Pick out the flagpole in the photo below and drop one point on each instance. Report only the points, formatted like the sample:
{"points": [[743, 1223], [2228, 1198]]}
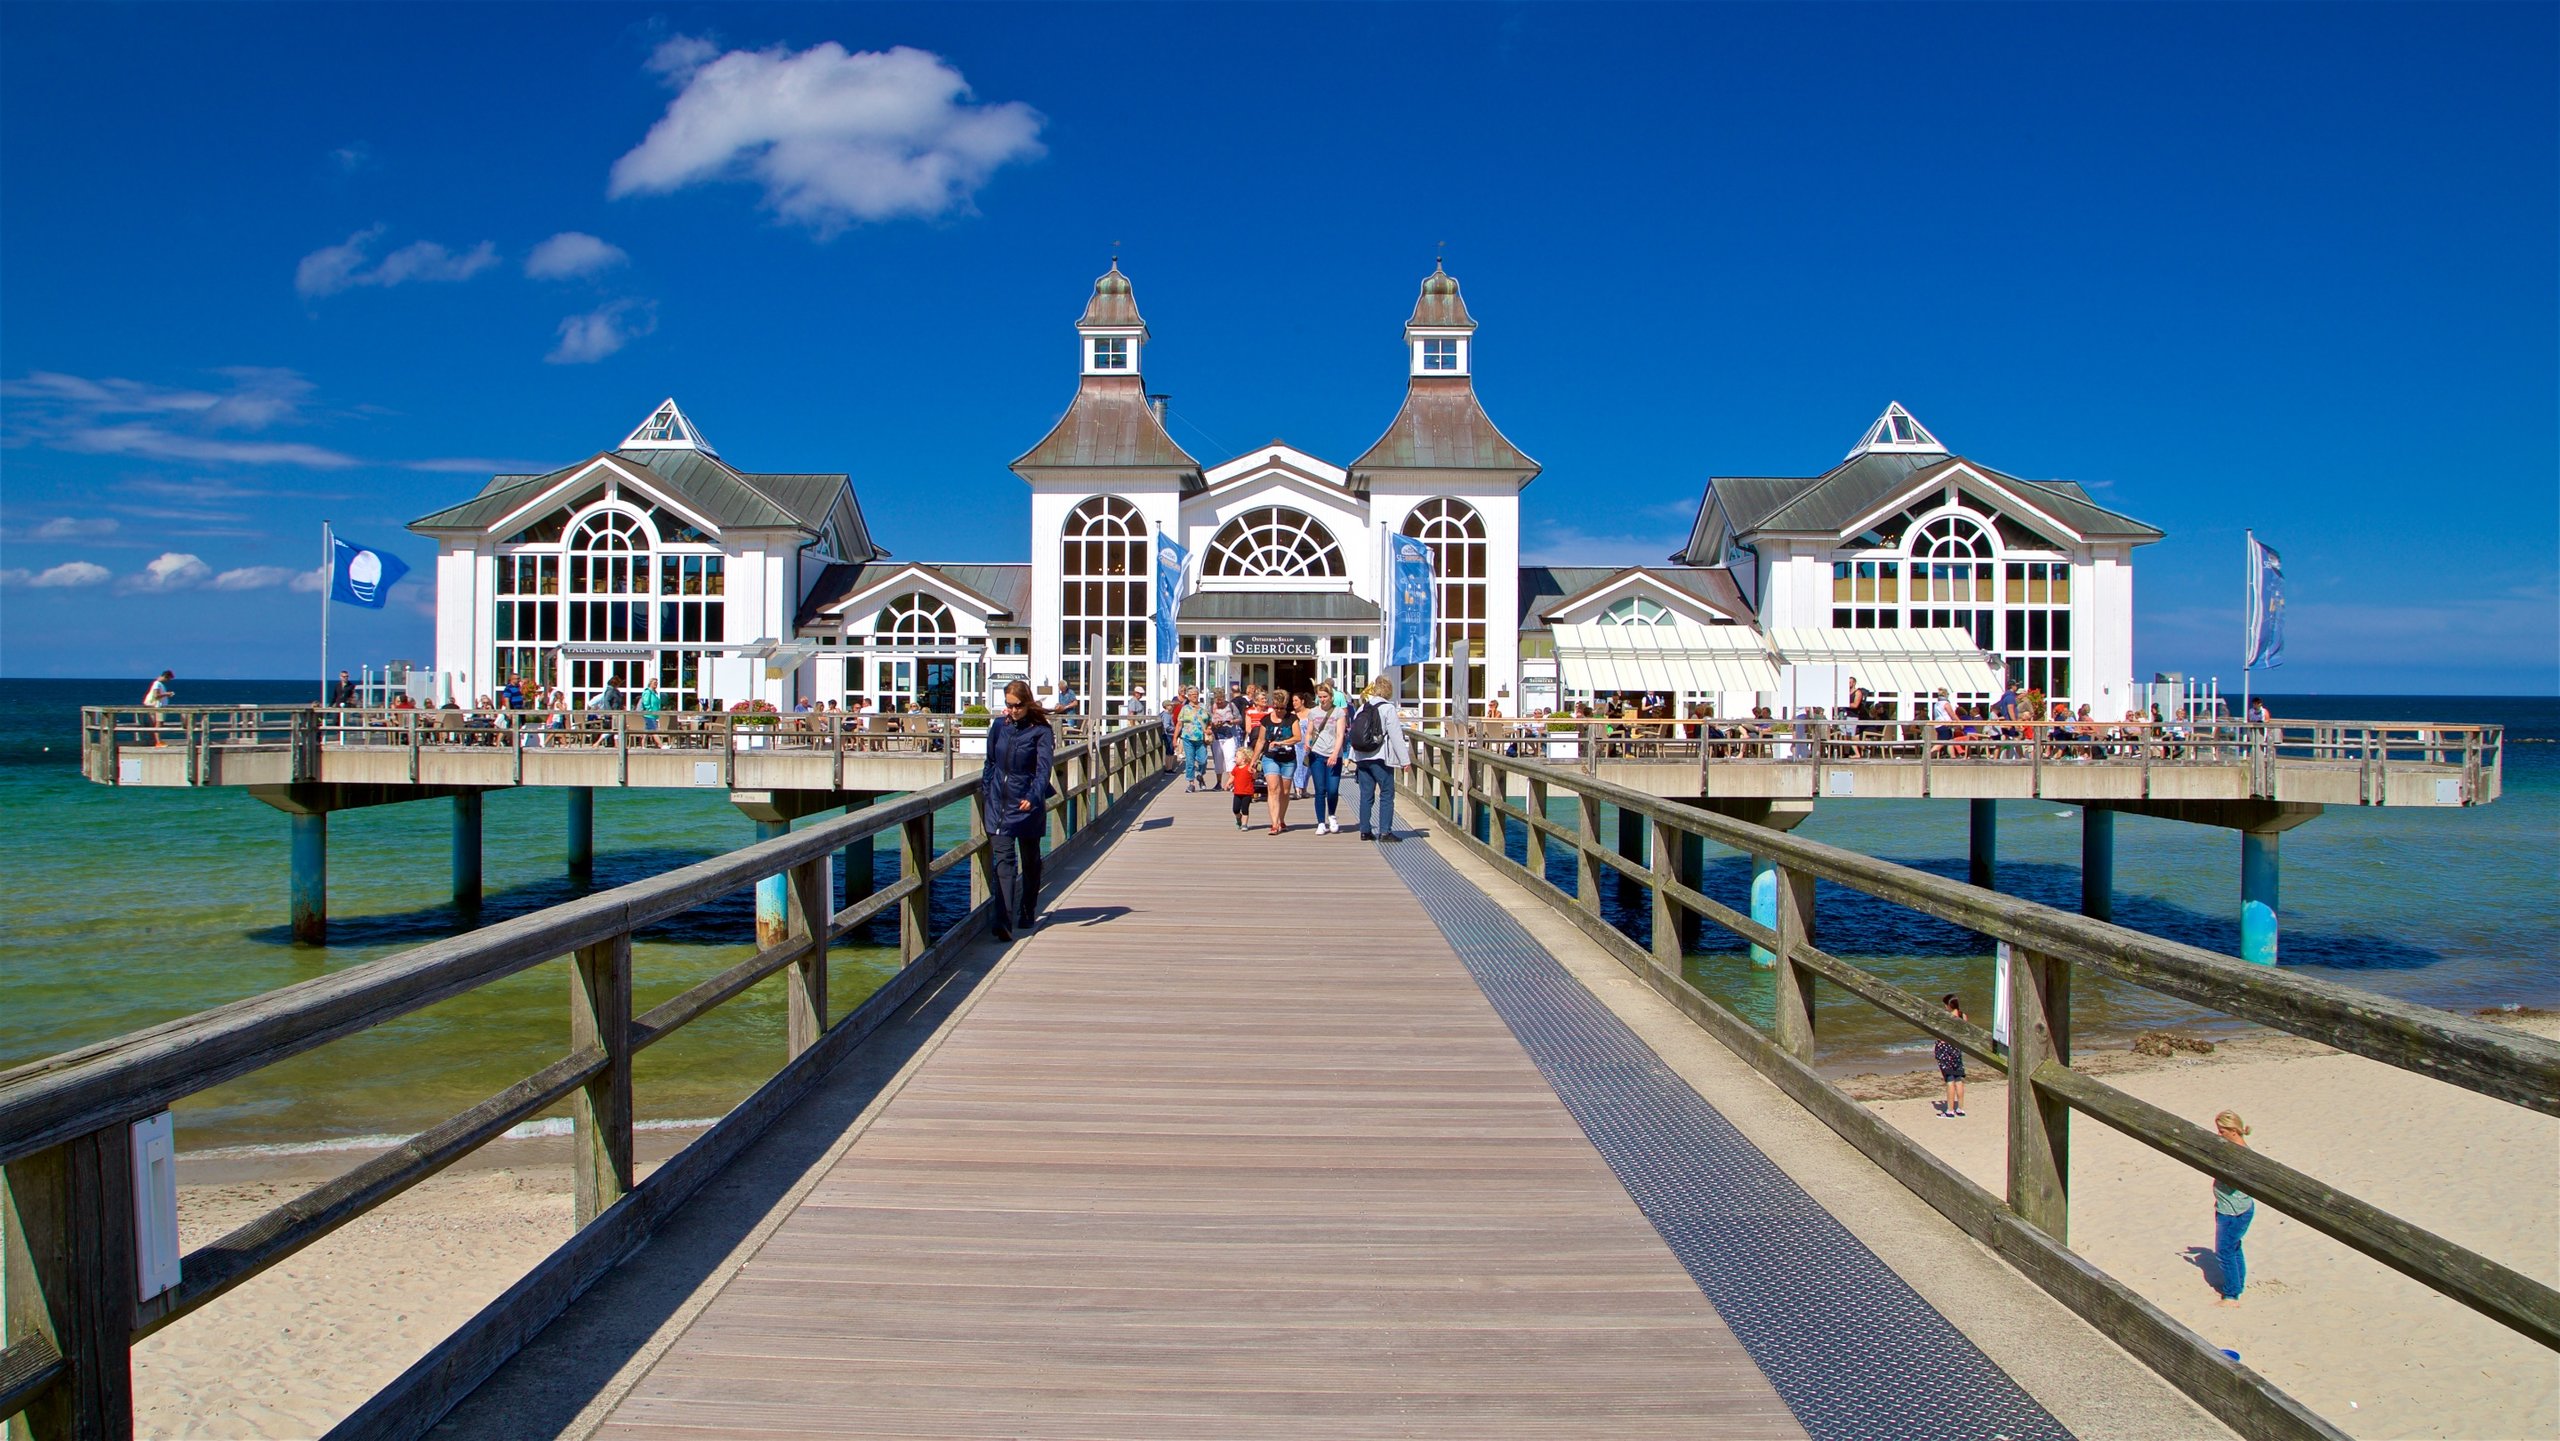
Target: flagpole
{"points": [[328, 578]]}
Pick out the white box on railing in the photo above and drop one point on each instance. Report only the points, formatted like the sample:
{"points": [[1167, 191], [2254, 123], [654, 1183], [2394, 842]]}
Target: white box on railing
{"points": [[155, 1205]]}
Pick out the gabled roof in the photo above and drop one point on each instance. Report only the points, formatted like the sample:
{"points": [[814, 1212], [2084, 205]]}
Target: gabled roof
{"points": [[1442, 426], [1711, 586], [1831, 502], [1110, 424], [1545, 587], [1005, 589], [730, 499]]}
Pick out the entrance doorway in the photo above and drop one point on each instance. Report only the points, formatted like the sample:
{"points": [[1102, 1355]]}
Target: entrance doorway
{"points": [[1292, 675]]}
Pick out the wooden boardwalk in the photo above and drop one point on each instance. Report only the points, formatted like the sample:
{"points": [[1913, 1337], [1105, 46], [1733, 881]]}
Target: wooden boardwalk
{"points": [[1236, 1148]]}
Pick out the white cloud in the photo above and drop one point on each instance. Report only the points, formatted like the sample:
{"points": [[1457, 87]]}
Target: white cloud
{"points": [[480, 465], [334, 268], [174, 570], [351, 158], [66, 527], [255, 577], [602, 331], [570, 254], [834, 137], [258, 397], [312, 580], [158, 443], [69, 574]]}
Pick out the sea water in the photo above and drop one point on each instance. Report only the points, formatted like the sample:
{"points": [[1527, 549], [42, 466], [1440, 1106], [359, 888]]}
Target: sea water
{"points": [[126, 908]]}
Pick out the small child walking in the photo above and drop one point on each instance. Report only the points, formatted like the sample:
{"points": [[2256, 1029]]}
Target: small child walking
{"points": [[1240, 781], [1951, 1063]]}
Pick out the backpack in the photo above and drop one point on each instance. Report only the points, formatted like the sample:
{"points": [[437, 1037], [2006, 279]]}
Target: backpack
{"points": [[1368, 728]]}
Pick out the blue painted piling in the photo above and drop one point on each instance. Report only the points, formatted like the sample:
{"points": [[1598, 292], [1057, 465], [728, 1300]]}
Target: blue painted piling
{"points": [[2261, 870], [310, 878]]}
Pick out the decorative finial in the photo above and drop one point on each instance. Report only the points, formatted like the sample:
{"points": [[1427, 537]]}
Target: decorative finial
{"points": [[1115, 255]]}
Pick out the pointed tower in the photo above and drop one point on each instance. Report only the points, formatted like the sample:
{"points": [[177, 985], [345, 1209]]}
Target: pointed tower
{"points": [[667, 428], [1896, 433], [1442, 429], [1109, 425], [1105, 481]]}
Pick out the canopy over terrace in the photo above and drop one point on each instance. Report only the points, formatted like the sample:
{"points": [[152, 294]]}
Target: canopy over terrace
{"points": [[1665, 659], [1894, 664]]}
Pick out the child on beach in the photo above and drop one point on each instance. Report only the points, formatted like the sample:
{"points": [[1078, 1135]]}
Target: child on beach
{"points": [[1951, 1063], [2233, 1210], [1240, 781]]}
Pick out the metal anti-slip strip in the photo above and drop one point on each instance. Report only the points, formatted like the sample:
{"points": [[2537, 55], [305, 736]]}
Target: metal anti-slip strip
{"points": [[1850, 1347]]}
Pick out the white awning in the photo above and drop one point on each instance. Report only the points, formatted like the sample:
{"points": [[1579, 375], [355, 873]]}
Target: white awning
{"points": [[1665, 659], [1903, 662]]}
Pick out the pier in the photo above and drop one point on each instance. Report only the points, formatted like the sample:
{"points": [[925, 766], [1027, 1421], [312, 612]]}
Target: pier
{"points": [[1399, 1171], [2256, 779]]}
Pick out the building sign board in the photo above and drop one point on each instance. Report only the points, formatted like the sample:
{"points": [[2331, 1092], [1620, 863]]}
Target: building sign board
{"points": [[1272, 646]]}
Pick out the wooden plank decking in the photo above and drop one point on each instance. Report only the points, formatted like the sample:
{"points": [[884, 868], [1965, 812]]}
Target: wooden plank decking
{"points": [[1233, 1148]]}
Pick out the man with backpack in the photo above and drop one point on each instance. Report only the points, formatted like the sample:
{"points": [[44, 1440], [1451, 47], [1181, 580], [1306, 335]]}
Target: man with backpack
{"points": [[1378, 750]]}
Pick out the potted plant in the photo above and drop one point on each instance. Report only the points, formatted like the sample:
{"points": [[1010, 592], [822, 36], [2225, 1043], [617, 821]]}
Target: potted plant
{"points": [[973, 730], [754, 721], [1564, 738]]}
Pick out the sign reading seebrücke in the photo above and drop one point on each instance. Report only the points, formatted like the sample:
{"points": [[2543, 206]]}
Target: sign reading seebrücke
{"points": [[1272, 646]]}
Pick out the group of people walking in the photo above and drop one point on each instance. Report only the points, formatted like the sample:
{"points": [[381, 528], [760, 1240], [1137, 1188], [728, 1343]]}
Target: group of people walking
{"points": [[1274, 745]]}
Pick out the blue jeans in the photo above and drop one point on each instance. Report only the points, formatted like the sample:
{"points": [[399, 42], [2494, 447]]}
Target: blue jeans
{"points": [[1377, 797], [1328, 789], [2227, 1231], [1195, 760]]}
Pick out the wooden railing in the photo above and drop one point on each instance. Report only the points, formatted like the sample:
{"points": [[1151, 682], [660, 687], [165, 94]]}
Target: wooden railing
{"points": [[1467, 788], [65, 1122], [1707, 740], [200, 732]]}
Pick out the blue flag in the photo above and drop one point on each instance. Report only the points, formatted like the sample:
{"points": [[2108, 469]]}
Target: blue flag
{"points": [[359, 575], [1169, 558], [1408, 601], [2266, 606]]}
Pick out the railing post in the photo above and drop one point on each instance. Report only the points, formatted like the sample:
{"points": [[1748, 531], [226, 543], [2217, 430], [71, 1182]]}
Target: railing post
{"points": [[915, 911], [68, 1217], [1586, 839], [1667, 950], [982, 865], [2039, 1124], [1794, 925], [810, 888], [1533, 857], [600, 1112]]}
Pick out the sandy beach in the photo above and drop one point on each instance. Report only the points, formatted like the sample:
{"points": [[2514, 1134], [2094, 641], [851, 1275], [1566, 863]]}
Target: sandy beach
{"points": [[2376, 1353], [295, 1350]]}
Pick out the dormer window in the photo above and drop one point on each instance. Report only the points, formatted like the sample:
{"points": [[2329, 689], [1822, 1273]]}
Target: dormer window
{"points": [[1111, 352], [1440, 355]]}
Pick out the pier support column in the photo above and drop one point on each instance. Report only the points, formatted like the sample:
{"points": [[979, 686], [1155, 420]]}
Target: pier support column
{"points": [[1692, 870], [311, 877], [773, 894], [582, 831], [466, 849], [2261, 871], [1631, 835], [1984, 868], [2097, 863], [1765, 898]]}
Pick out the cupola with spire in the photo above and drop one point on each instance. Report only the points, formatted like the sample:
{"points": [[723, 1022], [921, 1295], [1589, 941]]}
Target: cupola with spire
{"points": [[1442, 427], [1110, 424], [1111, 331], [1441, 332]]}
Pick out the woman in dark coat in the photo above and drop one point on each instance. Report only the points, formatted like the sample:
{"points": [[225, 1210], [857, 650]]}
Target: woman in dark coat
{"points": [[1014, 790]]}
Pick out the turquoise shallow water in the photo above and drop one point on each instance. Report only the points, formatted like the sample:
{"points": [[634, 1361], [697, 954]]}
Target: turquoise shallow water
{"points": [[126, 908]]}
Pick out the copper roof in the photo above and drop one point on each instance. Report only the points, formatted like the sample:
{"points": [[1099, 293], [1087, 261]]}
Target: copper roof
{"points": [[1110, 424], [1442, 427], [1113, 303], [1440, 307]]}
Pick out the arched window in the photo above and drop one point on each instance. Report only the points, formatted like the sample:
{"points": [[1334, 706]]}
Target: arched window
{"points": [[1455, 534], [1273, 541], [1105, 580], [607, 598], [917, 621], [1951, 537], [1636, 610]]}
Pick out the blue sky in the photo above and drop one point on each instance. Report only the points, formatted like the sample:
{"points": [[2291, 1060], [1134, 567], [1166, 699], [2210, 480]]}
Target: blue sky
{"points": [[2294, 267]]}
